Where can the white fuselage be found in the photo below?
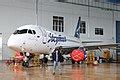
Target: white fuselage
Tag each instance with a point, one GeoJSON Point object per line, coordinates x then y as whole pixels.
{"type": "Point", "coordinates": [35, 39]}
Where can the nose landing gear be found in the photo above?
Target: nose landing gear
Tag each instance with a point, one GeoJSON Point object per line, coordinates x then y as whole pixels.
{"type": "Point", "coordinates": [25, 64]}
{"type": "Point", "coordinates": [26, 59]}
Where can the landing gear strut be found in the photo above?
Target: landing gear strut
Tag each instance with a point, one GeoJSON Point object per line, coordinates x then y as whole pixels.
{"type": "Point", "coordinates": [26, 59]}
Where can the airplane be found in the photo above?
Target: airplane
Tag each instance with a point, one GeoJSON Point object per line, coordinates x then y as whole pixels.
{"type": "Point", "coordinates": [36, 39]}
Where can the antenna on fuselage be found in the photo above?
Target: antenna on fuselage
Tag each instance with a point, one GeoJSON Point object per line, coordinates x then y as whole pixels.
{"type": "Point", "coordinates": [36, 9]}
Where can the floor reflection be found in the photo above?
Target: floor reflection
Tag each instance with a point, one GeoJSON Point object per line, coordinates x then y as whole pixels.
{"type": "Point", "coordinates": [69, 72]}
{"type": "Point", "coordinates": [78, 73]}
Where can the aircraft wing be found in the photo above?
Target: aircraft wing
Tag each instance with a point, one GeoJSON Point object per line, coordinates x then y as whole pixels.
{"type": "Point", "coordinates": [69, 49]}
{"type": "Point", "coordinates": [97, 46]}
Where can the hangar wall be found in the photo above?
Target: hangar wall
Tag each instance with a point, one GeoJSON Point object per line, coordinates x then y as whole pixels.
{"type": "Point", "coordinates": [94, 17]}
{"type": "Point", "coordinates": [15, 13]}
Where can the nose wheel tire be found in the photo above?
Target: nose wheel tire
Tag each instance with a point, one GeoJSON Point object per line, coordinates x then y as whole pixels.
{"type": "Point", "coordinates": [25, 64]}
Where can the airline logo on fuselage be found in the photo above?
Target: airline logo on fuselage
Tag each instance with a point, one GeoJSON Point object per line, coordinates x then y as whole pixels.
{"type": "Point", "coordinates": [56, 39]}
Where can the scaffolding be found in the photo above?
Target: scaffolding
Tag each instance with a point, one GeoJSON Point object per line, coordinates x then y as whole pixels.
{"type": "Point", "coordinates": [90, 57]}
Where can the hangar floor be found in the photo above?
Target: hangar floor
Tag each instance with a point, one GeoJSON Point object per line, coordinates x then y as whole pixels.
{"type": "Point", "coordinates": [81, 72]}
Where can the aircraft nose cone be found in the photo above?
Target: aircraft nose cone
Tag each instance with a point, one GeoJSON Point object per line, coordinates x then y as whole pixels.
{"type": "Point", "coordinates": [13, 43]}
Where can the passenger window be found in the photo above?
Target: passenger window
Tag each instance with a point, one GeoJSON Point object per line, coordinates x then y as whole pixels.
{"type": "Point", "coordinates": [34, 32]}
{"type": "Point", "coordinates": [29, 31]}
{"type": "Point", "coordinates": [22, 31]}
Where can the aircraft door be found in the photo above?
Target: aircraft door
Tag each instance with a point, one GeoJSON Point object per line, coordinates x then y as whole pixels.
{"type": "Point", "coordinates": [44, 33]}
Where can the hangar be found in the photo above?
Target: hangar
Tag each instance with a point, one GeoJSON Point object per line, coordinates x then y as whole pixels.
{"type": "Point", "coordinates": [100, 22]}
{"type": "Point", "coordinates": [100, 19]}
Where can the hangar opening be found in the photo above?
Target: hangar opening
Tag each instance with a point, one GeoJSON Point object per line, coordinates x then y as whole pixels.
{"type": "Point", "coordinates": [0, 46]}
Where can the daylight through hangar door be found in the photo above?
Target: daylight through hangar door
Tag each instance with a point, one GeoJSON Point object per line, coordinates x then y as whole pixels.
{"type": "Point", "coordinates": [0, 46]}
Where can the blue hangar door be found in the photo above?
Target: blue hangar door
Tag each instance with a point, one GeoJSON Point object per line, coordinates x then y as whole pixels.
{"type": "Point", "coordinates": [117, 31]}
{"type": "Point", "coordinates": [117, 38]}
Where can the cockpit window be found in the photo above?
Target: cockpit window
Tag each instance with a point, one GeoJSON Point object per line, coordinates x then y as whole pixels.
{"type": "Point", "coordinates": [22, 31]}
{"type": "Point", "coordinates": [16, 32]}
{"type": "Point", "coordinates": [29, 31]}
{"type": "Point", "coordinates": [34, 32]}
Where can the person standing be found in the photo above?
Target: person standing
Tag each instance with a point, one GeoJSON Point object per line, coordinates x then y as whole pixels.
{"type": "Point", "coordinates": [56, 57]}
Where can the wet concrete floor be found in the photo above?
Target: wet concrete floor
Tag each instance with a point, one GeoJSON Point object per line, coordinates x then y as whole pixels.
{"type": "Point", "coordinates": [105, 71]}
